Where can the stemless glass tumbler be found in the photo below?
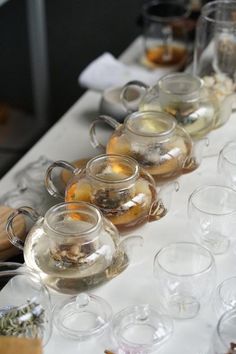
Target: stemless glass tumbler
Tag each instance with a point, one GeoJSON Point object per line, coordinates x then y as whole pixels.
{"type": "Point", "coordinates": [224, 338]}
{"type": "Point", "coordinates": [165, 34]}
{"type": "Point", "coordinates": [185, 274]}
{"type": "Point", "coordinates": [212, 216]}
{"type": "Point", "coordinates": [225, 296]}
{"type": "Point", "coordinates": [227, 164]}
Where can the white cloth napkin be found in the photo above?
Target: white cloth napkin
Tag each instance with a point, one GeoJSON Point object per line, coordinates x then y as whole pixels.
{"type": "Point", "coordinates": [106, 71]}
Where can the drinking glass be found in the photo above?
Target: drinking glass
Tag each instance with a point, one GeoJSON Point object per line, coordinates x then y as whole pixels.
{"type": "Point", "coordinates": [165, 34]}
{"type": "Point", "coordinates": [185, 274]}
{"type": "Point", "coordinates": [224, 338]}
{"type": "Point", "coordinates": [215, 52]}
{"type": "Point", "coordinates": [212, 216]}
{"type": "Point", "coordinates": [227, 164]}
{"type": "Point", "coordinates": [225, 296]}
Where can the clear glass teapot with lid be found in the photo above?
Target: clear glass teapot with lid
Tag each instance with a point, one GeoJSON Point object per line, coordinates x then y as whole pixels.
{"type": "Point", "coordinates": [155, 140]}
{"type": "Point", "coordinates": [73, 247]}
{"type": "Point", "coordinates": [124, 192]}
{"type": "Point", "coordinates": [185, 96]}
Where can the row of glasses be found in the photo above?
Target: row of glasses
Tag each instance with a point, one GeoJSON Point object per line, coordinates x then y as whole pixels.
{"type": "Point", "coordinates": [212, 208]}
{"type": "Point", "coordinates": [212, 212]}
{"type": "Point", "coordinates": [139, 328]}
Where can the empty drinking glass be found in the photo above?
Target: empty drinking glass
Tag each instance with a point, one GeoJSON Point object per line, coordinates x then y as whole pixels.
{"type": "Point", "coordinates": [225, 296]}
{"type": "Point", "coordinates": [224, 338]}
{"type": "Point", "coordinates": [185, 274]}
{"type": "Point", "coordinates": [227, 163]}
{"type": "Point", "coordinates": [212, 216]}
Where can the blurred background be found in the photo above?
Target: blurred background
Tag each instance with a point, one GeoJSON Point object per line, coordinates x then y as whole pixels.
{"type": "Point", "coordinates": [44, 46]}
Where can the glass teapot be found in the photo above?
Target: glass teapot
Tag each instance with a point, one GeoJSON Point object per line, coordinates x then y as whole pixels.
{"type": "Point", "coordinates": [125, 193]}
{"type": "Point", "coordinates": [73, 247]}
{"type": "Point", "coordinates": [162, 148]}
{"type": "Point", "coordinates": [184, 96]}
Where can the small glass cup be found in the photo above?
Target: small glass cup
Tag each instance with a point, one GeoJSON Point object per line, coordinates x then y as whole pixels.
{"type": "Point", "coordinates": [141, 329]}
{"type": "Point", "coordinates": [227, 164]}
{"type": "Point", "coordinates": [224, 338]}
{"type": "Point", "coordinates": [165, 34]}
{"type": "Point", "coordinates": [185, 274]}
{"type": "Point", "coordinates": [212, 216]}
{"type": "Point", "coordinates": [225, 296]}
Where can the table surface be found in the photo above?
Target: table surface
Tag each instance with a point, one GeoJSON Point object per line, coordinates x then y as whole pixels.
{"type": "Point", "coordinates": [68, 139]}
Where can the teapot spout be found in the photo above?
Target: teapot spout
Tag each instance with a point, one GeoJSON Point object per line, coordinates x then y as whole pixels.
{"type": "Point", "coordinates": [157, 211]}
{"type": "Point", "coordinates": [193, 161]}
{"type": "Point", "coordinates": [164, 198]}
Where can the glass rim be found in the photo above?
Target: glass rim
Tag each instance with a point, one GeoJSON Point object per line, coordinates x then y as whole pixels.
{"type": "Point", "coordinates": [213, 5]}
{"type": "Point", "coordinates": [123, 158]}
{"type": "Point", "coordinates": [224, 317]}
{"type": "Point", "coordinates": [196, 274]}
{"type": "Point", "coordinates": [86, 333]}
{"type": "Point", "coordinates": [79, 204]}
{"type": "Point", "coordinates": [129, 310]}
{"type": "Point", "coordinates": [211, 186]}
{"type": "Point", "coordinates": [224, 151]}
{"type": "Point", "coordinates": [164, 117]}
{"type": "Point", "coordinates": [188, 76]}
{"type": "Point", "coordinates": [221, 285]}
{"type": "Point", "coordinates": [156, 18]}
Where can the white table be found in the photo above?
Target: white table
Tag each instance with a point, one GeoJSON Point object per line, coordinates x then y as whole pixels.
{"type": "Point", "coordinates": [68, 139]}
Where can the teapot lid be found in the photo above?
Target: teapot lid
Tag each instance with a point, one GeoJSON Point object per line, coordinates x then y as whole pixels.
{"type": "Point", "coordinates": [82, 316]}
{"type": "Point", "coordinates": [141, 327]}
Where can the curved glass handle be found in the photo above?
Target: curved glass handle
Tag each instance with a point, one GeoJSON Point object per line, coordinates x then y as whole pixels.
{"type": "Point", "coordinates": [49, 184]}
{"type": "Point", "coordinates": [13, 238]}
{"type": "Point", "coordinates": [132, 94]}
{"type": "Point", "coordinates": [133, 246]}
{"type": "Point", "coordinates": [219, 161]}
{"type": "Point", "coordinates": [92, 130]}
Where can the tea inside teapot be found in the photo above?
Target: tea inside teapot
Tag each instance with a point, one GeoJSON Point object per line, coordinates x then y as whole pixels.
{"type": "Point", "coordinates": [186, 97]}
{"type": "Point", "coordinates": [154, 139]}
{"type": "Point", "coordinates": [73, 247]}
{"type": "Point", "coordinates": [117, 186]}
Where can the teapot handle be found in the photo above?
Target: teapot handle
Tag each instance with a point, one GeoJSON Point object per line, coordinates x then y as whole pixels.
{"type": "Point", "coordinates": [49, 184]}
{"type": "Point", "coordinates": [131, 97]}
{"type": "Point", "coordinates": [92, 130]}
{"type": "Point", "coordinates": [13, 238]}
